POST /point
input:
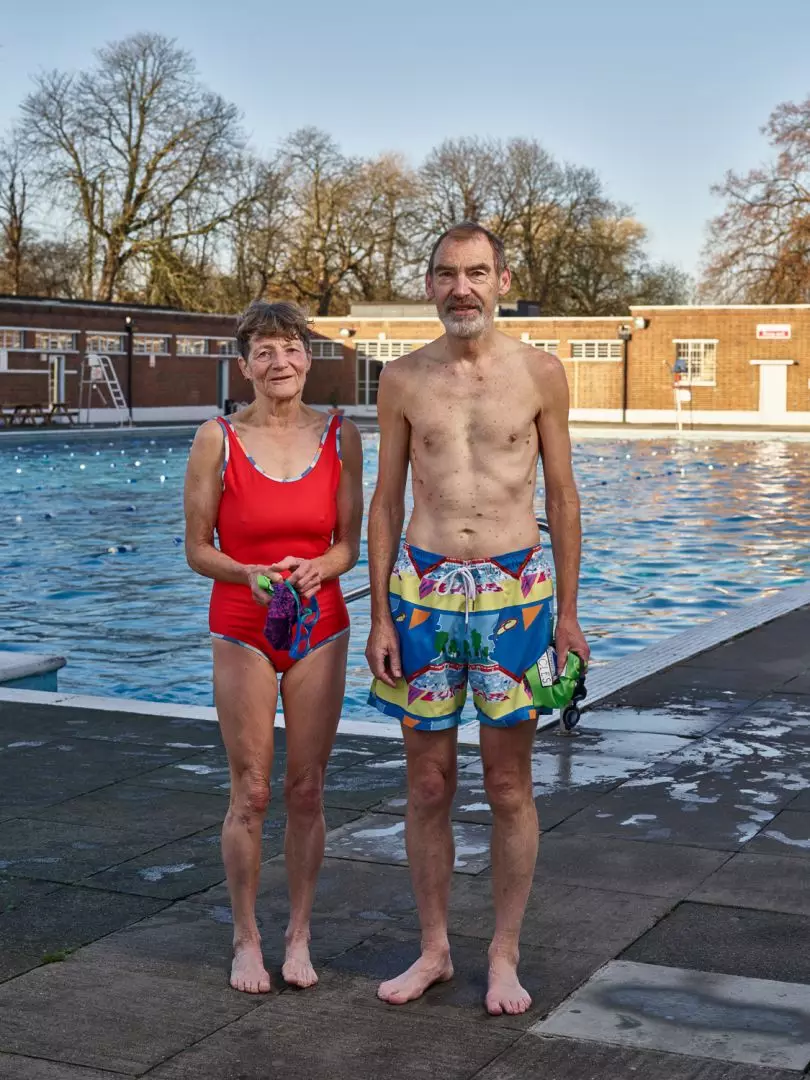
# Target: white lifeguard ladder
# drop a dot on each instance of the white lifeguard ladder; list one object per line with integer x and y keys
{"x": 99, "y": 385}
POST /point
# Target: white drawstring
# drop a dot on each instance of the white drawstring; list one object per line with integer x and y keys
{"x": 467, "y": 580}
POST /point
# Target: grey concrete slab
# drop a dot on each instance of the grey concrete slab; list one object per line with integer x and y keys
{"x": 642, "y": 746}
{"x": 768, "y": 882}
{"x": 549, "y": 975}
{"x": 124, "y": 1025}
{"x": 752, "y": 1021}
{"x": 47, "y": 928}
{"x": 360, "y": 787}
{"x": 568, "y": 1059}
{"x": 679, "y": 689}
{"x": 600, "y": 862}
{"x": 207, "y": 772}
{"x": 559, "y": 916}
{"x": 169, "y": 871}
{"x": 295, "y": 1035}
{"x": 183, "y": 733}
{"x": 14, "y": 1067}
{"x": 632, "y": 814}
{"x": 779, "y": 708}
{"x": 58, "y": 851}
{"x": 60, "y": 769}
{"x": 800, "y": 801}
{"x": 381, "y": 838}
{"x": 685, "y": 723}
{"x": 787, "y": 834}
{"x": 143, "y": 811}
{"x": 799, "y": 685}
{"x": 731, "y": 941}
{"x": 193, "y": 942}
{"x": 15, "y": 891}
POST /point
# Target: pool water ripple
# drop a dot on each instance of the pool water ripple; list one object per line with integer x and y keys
{"x": 675, "y": 534}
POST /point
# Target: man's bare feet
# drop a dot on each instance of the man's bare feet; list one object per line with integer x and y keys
{"x": 505, "y": 994}
{"x": 248, "y": 972}
{"x": 430, "y": 968}
{"x": 298, "y": 969}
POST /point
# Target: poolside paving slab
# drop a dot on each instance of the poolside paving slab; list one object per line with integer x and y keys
{"x": 381, "y": 838}
{"x": 14, "y": 1067}
{"x": 751, "y": 1021}
{"x": 767, "y": 882}
{"x": 729, "y": 941}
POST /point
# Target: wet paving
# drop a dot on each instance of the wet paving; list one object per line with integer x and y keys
{"x": 675, "y": 849}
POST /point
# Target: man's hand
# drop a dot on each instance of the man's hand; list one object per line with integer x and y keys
{"x": 305, "y": 574}
{"x": 261, "y": 596}
{"x": 568, "y": 637}
{"x": 382, "y": 652}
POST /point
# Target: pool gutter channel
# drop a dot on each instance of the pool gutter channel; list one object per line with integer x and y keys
{"x": 602, "y": 683}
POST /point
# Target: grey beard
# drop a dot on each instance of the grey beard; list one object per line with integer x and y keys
{"x": 464, "y": 327}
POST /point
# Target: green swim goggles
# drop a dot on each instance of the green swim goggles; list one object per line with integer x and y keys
{"x": 558, "y": 690}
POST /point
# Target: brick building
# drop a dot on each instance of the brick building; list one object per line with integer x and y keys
{"x": 740, "y": 366}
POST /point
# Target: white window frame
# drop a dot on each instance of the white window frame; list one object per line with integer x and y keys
{"x": 141, "y": 339}
{"x": 233, "y": 348}
{"x": 109, "y": 335}
{"x": 181, "y": 341}
{"x": 326, "y": 350}
{"x": 706, "y": 365}
{"x": 52, "y": 336}
{"x": 370, "y": 351}
{"x": 5, "y": 344}
{"x": 612, "y": 347}
{"x": 545, "y": 344}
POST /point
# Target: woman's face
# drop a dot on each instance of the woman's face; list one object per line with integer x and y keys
{"x": 277, "y": 367}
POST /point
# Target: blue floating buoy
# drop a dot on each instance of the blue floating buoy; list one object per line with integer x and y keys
{"x": 120, "y": 549}
{"x": 130, "y": 508}
{"x": 178, "y": 539}
{"x": 48, "y": 515}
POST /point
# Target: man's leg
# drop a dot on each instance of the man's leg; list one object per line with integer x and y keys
{"x": 245, "y": 693}
{"x": 429, "y": 841}
{"x": 312, "y": 692}
{"x": 506, "y": 755}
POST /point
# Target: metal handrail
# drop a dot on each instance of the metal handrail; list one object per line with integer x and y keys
{"x": 365, "y": 590}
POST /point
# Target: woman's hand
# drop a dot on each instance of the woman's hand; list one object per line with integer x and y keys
{"x": 304, "y": 576}
{"x": 261, "y": 596}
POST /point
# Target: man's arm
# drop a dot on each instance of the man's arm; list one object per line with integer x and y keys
{"x": 562, "y": 507}
{"x": 385, "y": 521}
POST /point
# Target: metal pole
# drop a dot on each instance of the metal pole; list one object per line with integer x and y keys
{"x": 130, "y": 329}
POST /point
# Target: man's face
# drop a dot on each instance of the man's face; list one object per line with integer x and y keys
{"x": 277, "y": 367}
{"x": 465, "y": 285}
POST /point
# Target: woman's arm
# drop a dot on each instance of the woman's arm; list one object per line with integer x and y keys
{"x": 202, "y": 492}
{"x": 308, "y": 574}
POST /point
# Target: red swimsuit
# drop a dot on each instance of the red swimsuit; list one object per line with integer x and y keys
{"x": 261, "y": 521}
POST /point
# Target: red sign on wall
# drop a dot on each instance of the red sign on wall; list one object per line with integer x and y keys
{"x": 773, "y": 331}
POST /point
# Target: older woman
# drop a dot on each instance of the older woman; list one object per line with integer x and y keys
{"x": 281, "y": 485}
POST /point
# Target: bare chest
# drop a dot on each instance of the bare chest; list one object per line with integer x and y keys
{"x": 282, "y": 455}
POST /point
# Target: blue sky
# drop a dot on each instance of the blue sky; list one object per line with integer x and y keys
{"x": 660, "y": 98}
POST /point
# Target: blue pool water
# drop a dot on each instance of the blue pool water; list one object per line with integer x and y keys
{"x": 92, "y": 562}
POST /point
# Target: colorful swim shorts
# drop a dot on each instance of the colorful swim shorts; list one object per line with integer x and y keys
{"x": 486, "y": 621}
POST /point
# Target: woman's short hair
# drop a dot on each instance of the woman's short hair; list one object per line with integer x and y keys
{"x": 281, "y": 320}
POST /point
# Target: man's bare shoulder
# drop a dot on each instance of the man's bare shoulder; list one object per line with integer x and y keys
{"x": 543, "y": 366}
{"x": 405, "y": 369}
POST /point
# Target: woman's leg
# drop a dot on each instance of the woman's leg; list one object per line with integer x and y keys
{"x": 312, "y": 691}
{"x": 245, "y": 694}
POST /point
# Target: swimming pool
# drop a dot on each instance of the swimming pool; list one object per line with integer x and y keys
{"x": 676, "y": 532}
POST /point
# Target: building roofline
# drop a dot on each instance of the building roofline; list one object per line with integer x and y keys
{"x": 508, "y": 319}
{"x": 105, "y": 305}
{"x": 719, "y": 307}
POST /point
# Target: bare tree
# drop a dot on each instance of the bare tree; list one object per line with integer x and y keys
{"x": 140, "y": 150}
{"x": 15, "y": 213}
{"x": 758, "y": 249}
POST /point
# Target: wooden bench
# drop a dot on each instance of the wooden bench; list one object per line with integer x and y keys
{"x": 27, "y": 415}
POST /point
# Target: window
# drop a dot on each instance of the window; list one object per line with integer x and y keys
{"x": 327, "y": 350}
{"x": 546, "y": 346}
{"x": 371, "y": 356}
{"x": 696, "y": 362}
{"x": 105, "y": 343}
{"x": 10, "y": 339}
{"x": 191, "y": 346}
{"x": 224, "y": 347}
{"x": 596, "y": 350}
{"x": 148, "y": 343}
{"x": 54, "y": 341}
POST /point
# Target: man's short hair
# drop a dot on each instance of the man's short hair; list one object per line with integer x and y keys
{"x": 281, "y": 320}
{"x": 463, "y": 231}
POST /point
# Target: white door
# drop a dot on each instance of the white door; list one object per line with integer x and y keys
{"x": 772, "y": 391}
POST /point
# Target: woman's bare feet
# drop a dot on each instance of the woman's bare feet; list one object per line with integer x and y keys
{"x": 298, "y": 969}
{"x": 430, "y": 968}
{"x": 505, "y": 994}
{"x": 248, "y": 972}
